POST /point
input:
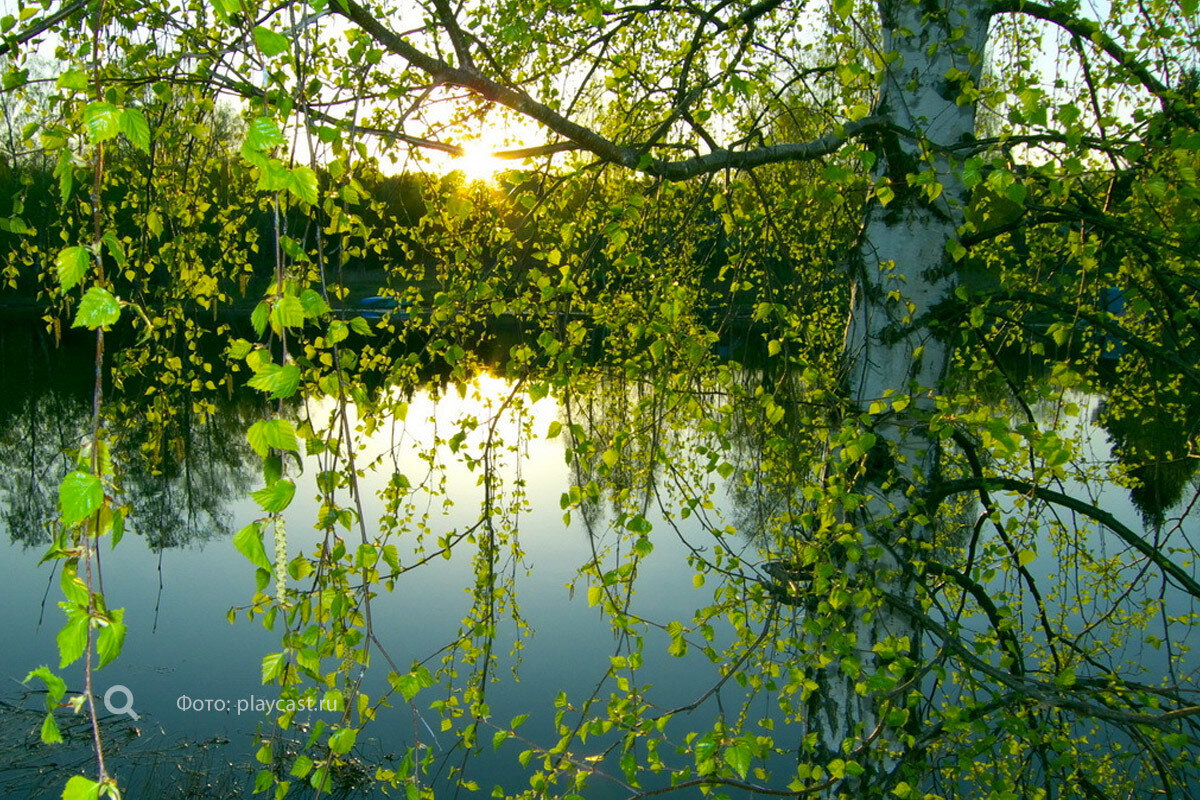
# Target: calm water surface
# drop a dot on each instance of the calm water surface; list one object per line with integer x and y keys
{"x": 181, "y": 650}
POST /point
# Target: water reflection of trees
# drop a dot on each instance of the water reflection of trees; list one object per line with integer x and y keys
{"x": 177, "y": 469}
{"x": 1032, "y": 572}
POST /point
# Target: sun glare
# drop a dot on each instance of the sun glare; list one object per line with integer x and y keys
{"x": 478, "y": 163}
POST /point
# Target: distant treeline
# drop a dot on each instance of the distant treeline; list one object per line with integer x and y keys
{"x": 209, "y": 213}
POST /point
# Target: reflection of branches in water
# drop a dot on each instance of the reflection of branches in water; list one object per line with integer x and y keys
{"x": 35, "y": 444}
{"x": 180, "y": 494}
{"x": 677, "y": 446}
{"x": 176, "y": 497}
{"x": 151, "y": 765}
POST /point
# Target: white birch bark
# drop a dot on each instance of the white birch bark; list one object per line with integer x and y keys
{"x": 902, "y": 272}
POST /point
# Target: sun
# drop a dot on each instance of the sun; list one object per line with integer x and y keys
{"x": 477, "y": 162}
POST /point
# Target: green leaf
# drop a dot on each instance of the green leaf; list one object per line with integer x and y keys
{"x": 71, "y": 266}
{"x": 75, "y": 79}
{"x": 56, "y": 687}
{"x": 133, "y": 124}
{"x": 341, "y": 742}
{"x": 314, "y": 305}
{"x": 81, "y": 788}
{"x": 114, "y": 247}
{"x": 239, "y": 349}
{"x": 102, "y": 120}
{"x": 738, "y": 756}
{"x": 259, "y": 316}
{"x": 269, "y": 42}
{"x": 288, "y": 312}
{"x": 50, "y": 732}
{"x": 79, "y": 496}
{"x": 859, "y": 447}
{"x": 98, "y": 309}
{"x": 280, "y": 381}
{"x": 338, "y": 331}
{"x": 111, "y": 637}
{"x": 276, "y": 497}
{"x": 225, "y": 10}
{"x": 263, "y": 134}
{"x": 272, "y": 433}
{"x": 15, "y": 78}
{"x": 408, "y": 685}
{"x": 302, "y": 182}
{"x": 72, "y": 639}
{"x": 73, "y": 588}
{"x": 272, "y": 666}
{"x": 302, "y": 766}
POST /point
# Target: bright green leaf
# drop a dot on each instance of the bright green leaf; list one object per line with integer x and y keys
{"x": 72, "y": 639}
{"x": 302, "y": 182}
{"x": 79, "y": 496}
{"x": 71, "y": 266}
{"x": 280, "y": 381}
{"x": 98, "y": 309}
{"x": 341, "y": 742}
{"x": 136, "y": 129}
{"x": 111, "y": 638}
{"x": 263, "y": 134}
{"x": 269, "y": 42}
{"x": 81, "y": 788}
{"x": 249, "y": 543}
{"x": 738, "y": 756}
{"x": 102, "y": 121}
{"x": 274, "y": 433}
{"x": 276, "y": 497}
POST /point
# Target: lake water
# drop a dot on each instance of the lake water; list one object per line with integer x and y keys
{"x": 183, "y": 660}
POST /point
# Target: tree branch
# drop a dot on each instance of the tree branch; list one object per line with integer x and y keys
{"x": 940, "y": 491}
{"x": 41, "y": 26}
{"x": 1092, "y": 32}
{"x": 586, "y": 139}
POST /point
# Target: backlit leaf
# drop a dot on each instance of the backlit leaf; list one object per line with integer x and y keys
{"x": 72, "y": 639}
{"x": 269, "y": 42}
{"x": 102, "y": 121}
{"x": 79, "y": 495}
{"x": 263, "y": 134}
{"x": 133, "y": 124}
{"x": 111, "y": 637}
{"x": 81, "y": 788}
{"x": 302, "y": 182}
{"x": 98, "y": 309}
{"x": 274, "y": 433}
{"x": 276, "y": 497}
{"x": 280, "y": 381}
{"x": 71, "y": 266}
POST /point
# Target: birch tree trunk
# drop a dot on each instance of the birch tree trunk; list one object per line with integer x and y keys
{"x": 903, "y": 273}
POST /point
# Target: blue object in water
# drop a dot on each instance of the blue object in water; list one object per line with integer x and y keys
{"x": 376, "y": 307}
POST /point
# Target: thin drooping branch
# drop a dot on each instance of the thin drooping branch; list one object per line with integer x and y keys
{"x": 1091, "y": 31}
{"x": 938, "y": 492}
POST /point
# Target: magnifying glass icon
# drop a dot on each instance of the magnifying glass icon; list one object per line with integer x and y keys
{"x": 126, "y": 707}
